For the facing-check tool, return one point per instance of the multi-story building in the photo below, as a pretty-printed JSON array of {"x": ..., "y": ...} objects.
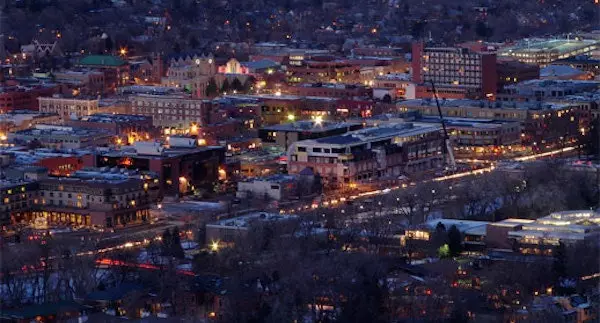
[
  {"x": 191, "y": 73},
  {"x": 276, "y": 109},
  {"x": 324, "y": 69},
  {"x": 22, "y": 119},
  {"x": 68, "y": 108},
  {"x": 544, "y": 234},
  {"x": 329, "y": 90},
  {"x": 61, "y": 137},
  {"x": 512, "y": 72},
  {"x": 131, "y": 127},
  {"x": 87, "y": 202},
  {"x": 184, "y": 166},
  {"x": 400, "y": 84},
  {"x": 540, "y": 90},
  {"x": 15, "y": 197},
  {"x": 237, "y": 230},
  {"x": 179, "y": 111},
  {"x": 545, "y": 51},
  {"x": 387, "y": 151},
  {"x": 452, "y": 68},
  {"x": 116, "y": 70},
  {"x": 582, "y": 63},
  {"x": 84, "y": 81},
  {"x": 542, "y": 123},
  {"x": 276, "y": 187},
  {"x": 283, "y": 135},
  {"x": 23, "y": 97}
]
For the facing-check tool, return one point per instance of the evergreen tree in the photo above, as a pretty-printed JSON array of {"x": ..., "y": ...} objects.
[
  {"x": 211, "y": 88},
  {"x": 166, "y": 242},
  {"x": 559, "y": 266},
  {"x": 108, "y": 44},
  {"x": 237, "y": 85},
  {"x": 454, "y": 241},
  {"x": 225, "y": 86},
  {"x": 176, "y": 248},
  {"x": 318, "y": 184}
]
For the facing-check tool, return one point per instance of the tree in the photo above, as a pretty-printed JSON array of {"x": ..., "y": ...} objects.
[
  {"x": 454, "y": 241},
  {"x": 176, "y": 248},
  {"x": 166, "y": 242},
  {"x": 225, "y": 86},
  {"x": 317, "y": 184},
  {"x": 236, "y": 85},
  {"x": 559, "y": 264},
  {"x": 211, "y": 88}
]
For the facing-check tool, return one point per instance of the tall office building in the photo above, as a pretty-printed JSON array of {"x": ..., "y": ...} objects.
[{"x": 457, "y": 72}]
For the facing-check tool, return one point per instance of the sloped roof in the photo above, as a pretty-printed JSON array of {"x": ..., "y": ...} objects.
[{"x": 102, "y": 60}]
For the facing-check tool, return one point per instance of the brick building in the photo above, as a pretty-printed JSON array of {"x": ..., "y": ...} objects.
[{"x": 473, "y": 73}]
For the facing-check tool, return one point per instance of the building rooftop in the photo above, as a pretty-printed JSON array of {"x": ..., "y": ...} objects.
[
  {"x": 556, "y": 105},
  {"x": 111, "y": 118},
  {"x": 149, "y": 89},
  {"x": 561, "y": 46},
  {"x": 277, "y": 178},
  {"x": 278, "y": 97},
  {"x": 245, "y": 220},
  {"x": 462, "y": 225},
  {"x": 380, "y": 133},
  {"x": 44, "y": 131},
  {"x": 310, "y": 126},
  {"x": 559, "y": 71},
  {"x": 102, "y": 60}
]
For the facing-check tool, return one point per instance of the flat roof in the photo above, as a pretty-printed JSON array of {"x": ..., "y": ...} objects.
[
  {"x": 245, "y": 220},
  {"x": 310, "y": 126},
  {"x": 456, "y": 103},
  {"x": 461, "y": 225},
  {"x": 278, "y": 97},
  {"x": 382, "y": 132},
  {"x": 562, "y": 46}
]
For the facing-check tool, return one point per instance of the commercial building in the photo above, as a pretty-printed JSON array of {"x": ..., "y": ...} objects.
[
  {"x": 61, "y": 137},
  {"x": 116, "y": 70},
  {"x": 541, "y": 90},
  {"x": 583, "y": 63},
  {"x": 470, "y": 137},
  {"x": 545, "y": 51},
  {"x": 23, "y": 97},
  {"x": 275, "y": 187},
  {"x": 454, "y": 70},
  {"x": 324, "y": 69},
  {"x": 15, "y": 197},
  {"x": 177, "y": 111},
  {"x": 542, "y": 123},
  {"x": 68, "y": 108},
  {"x": 183, "y": 168},
  {"x": 276, "y": 109},
  {"x": 544, "y": 234},
  {"x": 283, "y": 135},
  {"x": 387, "y": 151},
  {"x": 22, "y": 119},
  {"x": 83, "y": 81},
  {"x": 512, "y": 72},
  {"x": 237, "y": 230},
  {"x": 400, "y": 83},
  {"x": 538, "y": 237},
  {"x": 330, "y": 90},
  {"x": 87, "y": 202},
  {"x": 130, "y": 127}
]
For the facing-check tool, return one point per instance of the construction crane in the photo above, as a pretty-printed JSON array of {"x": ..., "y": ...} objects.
[{"x": 449, "y": 152}]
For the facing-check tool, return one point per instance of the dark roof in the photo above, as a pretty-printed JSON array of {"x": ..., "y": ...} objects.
[
  {"x": 45, "y": 309},
  {"x": 338, "y": 140},
  {"x": 115, "y": 293},
  {"x": 102, "y": 60},
  {"x": 307, "y": 172}
]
